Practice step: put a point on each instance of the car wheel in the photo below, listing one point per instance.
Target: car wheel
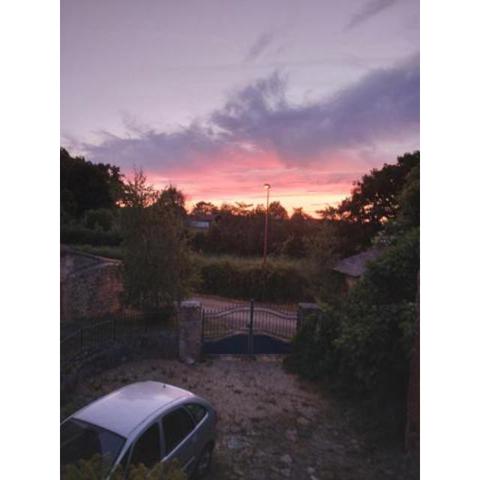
(203, 464)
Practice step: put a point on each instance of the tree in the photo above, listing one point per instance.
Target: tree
(87, 186)
(157, 264)
(374, 202)
(173, 199)
(375, 199)
(277, 211)
(138, 194)
(204, 209)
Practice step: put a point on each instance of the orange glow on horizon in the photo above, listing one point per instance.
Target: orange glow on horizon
(232, 178)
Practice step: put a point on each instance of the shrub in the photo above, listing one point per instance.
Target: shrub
(374, 343)
(392, 278)
(100, 218)
(79, 234)
(94, 469)
(363, 346)
(314, 353)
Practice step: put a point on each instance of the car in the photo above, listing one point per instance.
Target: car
(145, 422)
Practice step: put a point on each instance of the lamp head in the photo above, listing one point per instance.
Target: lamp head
(267, 186)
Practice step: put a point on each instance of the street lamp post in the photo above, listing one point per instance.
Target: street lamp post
(267, 187)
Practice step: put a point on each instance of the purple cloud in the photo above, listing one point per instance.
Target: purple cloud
(369, 10)
(380, 108)
(384, 105)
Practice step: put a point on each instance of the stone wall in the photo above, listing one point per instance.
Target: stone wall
(90, 286)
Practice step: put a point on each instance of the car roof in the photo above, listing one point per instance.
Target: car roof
(127, 408)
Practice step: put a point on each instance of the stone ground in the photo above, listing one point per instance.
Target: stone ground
(271, 424)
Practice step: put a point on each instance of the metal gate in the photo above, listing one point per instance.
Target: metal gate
(248, 329)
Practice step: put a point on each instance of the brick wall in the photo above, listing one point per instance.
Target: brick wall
(90, 286)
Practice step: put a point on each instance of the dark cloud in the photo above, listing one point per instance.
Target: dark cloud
(382, 107)
(369, 10)
(157, 150)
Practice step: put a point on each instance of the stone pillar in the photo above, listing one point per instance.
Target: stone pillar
(304, 311)
(190, 331)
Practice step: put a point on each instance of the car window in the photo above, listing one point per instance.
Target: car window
(196, 411)
(84, 441)
(147, 448)
(176, 426)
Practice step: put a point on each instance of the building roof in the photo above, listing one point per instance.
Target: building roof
(127, 408)
(356, 265)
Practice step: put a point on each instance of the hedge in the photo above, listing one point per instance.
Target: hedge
(77, 234)
(279, 281)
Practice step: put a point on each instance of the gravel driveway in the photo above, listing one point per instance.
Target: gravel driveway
(272, 425)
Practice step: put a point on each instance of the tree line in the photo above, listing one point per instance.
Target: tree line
(92, 197)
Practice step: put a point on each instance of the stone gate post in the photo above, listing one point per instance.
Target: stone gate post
(304, 311)
(190, 331)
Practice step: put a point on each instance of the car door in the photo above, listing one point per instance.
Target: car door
(179, 443)
(146, 449)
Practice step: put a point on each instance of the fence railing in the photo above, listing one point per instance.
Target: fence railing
(96, 334)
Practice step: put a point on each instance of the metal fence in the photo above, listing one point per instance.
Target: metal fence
(95, 334)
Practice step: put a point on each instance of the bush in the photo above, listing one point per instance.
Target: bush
(374, 344)
(94, 469)
(280, 281)
(392, 278)
(363, 346)
(314, 353)
(100, 218)
(79, 234)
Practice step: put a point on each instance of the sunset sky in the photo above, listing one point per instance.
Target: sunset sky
(218, 97)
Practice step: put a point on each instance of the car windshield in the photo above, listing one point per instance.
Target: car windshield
(83, 441)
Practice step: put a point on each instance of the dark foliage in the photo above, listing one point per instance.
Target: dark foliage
(279, 281)
(362, 346)
(156, 257)
(79, 234)
(87, 186)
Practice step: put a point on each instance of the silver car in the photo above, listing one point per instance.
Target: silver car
(145, 422)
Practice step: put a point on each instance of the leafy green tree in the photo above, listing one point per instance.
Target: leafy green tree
(157, 264)
(375, 199)
(87, 186)
(375, 202)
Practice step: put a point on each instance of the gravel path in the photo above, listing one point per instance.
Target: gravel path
(272, 425)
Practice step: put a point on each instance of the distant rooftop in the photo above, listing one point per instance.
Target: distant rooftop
(356, 265)
(125, 409)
